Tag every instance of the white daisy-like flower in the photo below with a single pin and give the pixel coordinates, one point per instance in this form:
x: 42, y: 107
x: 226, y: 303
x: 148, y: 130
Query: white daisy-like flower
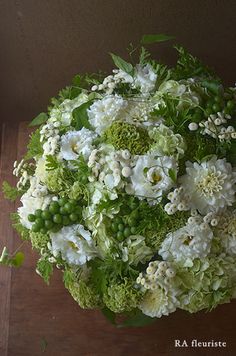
x: 189, y: 242
x: 159, y: 302
x: 75, y: 143
x: 145, y: 78
x: 74, y: 243
x: 210, y: 185
x: 103, y: 112
x: 150, y: 176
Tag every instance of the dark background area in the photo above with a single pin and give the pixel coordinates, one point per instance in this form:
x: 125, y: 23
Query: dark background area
x: 44, y: 43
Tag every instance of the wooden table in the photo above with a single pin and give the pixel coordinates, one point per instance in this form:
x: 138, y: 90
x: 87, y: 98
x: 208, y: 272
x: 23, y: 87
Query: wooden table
x: 36, y: 319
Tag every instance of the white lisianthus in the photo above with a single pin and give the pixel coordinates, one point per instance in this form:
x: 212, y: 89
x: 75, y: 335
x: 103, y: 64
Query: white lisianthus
x: 210, y: 185
x: 150, y: 176
x: 74, y: 243
x: 145, y: 78
x: 103, y: 112
x: 189, y: 242
x: 75, y: 143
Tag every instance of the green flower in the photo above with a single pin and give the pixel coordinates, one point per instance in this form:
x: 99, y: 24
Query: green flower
x: 39, y: 241
x: 165, y: 142
x: 122, y: 296
x: 127, y: 136
x: 55, y: 180
x: 82, y: 290
x: 78, y: 191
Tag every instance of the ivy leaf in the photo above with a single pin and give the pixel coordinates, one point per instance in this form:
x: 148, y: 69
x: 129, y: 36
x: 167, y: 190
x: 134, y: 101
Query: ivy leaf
x: 172, y: 174
x: 137, y: 320
x: 122, y: 64
x: 39, y: 120
x: 148, y: 39
x: 80, y: 116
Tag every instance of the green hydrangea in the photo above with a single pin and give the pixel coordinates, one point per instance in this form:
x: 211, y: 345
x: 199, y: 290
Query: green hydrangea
x: 207, y: 283
x: 78, y: 191
x: 122, y: 296
x: 55, y: 180
x: 82, y: 290
x: 38, y: 240
x: 127, y: 136
x: 165, y: 142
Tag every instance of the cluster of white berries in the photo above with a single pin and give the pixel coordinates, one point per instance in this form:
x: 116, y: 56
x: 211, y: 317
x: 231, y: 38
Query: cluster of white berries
x: 49, y: 130
x: 203, y: 222
x: 179, y: 201
x: 118, y: 164
x: 37, y: 189
x: 158, y: 273
x: 110, y: 82
x: 213, y: 127
x: 21, y: 170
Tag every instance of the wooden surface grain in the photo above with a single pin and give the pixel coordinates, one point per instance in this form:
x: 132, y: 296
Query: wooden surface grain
x: 36, y: 319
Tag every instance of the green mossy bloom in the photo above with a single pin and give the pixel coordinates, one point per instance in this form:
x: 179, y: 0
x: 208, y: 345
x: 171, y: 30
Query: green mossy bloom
x: 122, y: 296
x: 54, y: 180
x: 39, y: 241
x: 127, y: 136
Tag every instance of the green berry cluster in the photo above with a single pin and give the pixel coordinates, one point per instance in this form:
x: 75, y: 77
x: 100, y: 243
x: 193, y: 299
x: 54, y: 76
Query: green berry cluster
x: 59, y: 213
x: 220, y: 103
x: 124, y: 228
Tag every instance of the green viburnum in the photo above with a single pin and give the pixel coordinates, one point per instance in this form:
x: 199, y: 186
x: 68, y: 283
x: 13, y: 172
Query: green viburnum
x: 120, y: 297
x: 78, y: 191
x: 82, y: 290
x: 55, y: 181
x: 127, y: 136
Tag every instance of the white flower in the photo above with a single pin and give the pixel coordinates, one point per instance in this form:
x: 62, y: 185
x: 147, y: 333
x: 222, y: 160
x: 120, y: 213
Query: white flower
x: 35, y: 198
x: 159, y: 302
x: 40, y: 171
x: 74, y: 243
x: 210, y: 185
x: 145, y: 78
x: 189, y: 242
x: 103, y: 112
x: 135, y: 250
x: 150, y: 176
x: 75, y: 143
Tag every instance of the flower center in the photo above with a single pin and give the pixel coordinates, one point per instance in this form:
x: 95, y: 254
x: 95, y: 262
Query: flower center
x: 211, y: 184
x: 154, y: 176
x: 73, y: 246
x: 187, y: 239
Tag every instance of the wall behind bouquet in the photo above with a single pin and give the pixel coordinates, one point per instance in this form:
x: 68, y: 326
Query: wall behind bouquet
x: 44, y: 43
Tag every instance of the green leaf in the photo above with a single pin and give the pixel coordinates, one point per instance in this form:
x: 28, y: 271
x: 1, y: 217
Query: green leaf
x: 39, y: 120
x: 148, y: 39
x: 44, y: 269
x: 172, y: 174
x: 80, y: 116
x: 51, y: 163
x: 122, y: 64
x: 34, y: 147
x: 137, y: 320
x: 110, y: 315
x: 10, y: 193
x: 18, y: 259
x: 211, y: 85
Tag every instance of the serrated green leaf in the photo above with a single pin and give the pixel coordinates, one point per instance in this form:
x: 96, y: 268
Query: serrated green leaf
x: 148, y: 39
x: 80, y: 116
x: 39, y: 120
x: 44, y: 269
x: 10, y: 192
x: 122, y: 64
x: 51, y: 163
x: 18, y: 259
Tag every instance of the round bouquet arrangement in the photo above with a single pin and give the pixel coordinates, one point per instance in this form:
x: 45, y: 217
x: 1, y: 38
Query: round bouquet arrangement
x: 128, y: 186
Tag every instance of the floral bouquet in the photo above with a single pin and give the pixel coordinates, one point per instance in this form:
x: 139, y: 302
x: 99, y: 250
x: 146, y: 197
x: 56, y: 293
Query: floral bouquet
x: 128, y: 186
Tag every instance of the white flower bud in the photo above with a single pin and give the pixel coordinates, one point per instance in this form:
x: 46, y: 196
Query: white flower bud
x: 126, y: 172
x: 193, y: 126
x: 170, y: 273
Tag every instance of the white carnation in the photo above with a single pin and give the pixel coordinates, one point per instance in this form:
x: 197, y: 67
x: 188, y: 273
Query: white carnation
x: 75, y: 143
x: 210, y: 185
x: 74, y: 243
x: 103, y: 112
x: 189, y: 242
